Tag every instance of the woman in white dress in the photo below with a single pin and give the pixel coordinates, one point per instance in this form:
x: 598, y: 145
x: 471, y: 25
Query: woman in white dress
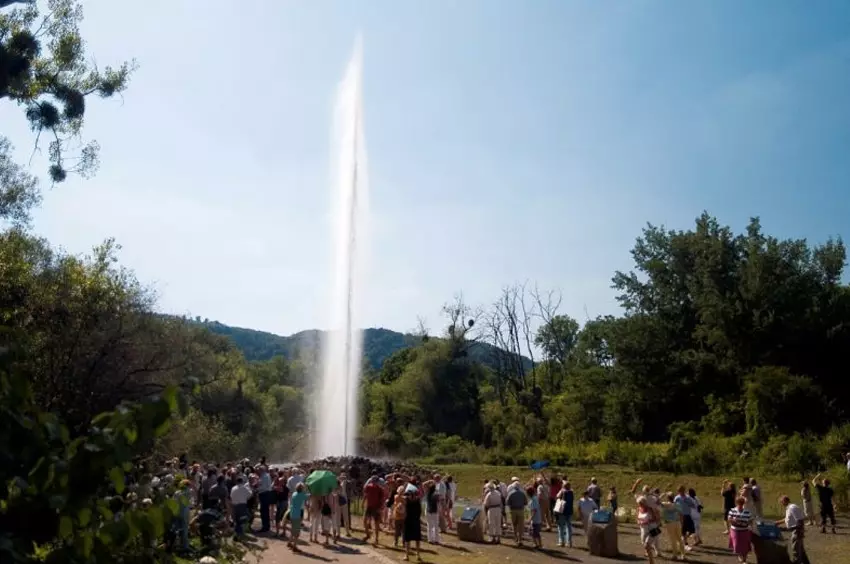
x: 493, y: 510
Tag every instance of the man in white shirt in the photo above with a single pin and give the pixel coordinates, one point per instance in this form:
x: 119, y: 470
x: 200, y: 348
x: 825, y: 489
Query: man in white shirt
x: 239, y: 496
x: 293, y: 481
x: 795, y: 521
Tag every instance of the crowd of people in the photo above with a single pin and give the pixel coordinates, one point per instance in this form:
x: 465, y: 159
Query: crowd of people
x: 228, y: 498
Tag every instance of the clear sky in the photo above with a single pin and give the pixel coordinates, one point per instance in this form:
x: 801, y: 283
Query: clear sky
x: 508, y: 141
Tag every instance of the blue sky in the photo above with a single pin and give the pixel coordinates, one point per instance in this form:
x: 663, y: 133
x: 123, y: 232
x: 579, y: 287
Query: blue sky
x: 508, y: 141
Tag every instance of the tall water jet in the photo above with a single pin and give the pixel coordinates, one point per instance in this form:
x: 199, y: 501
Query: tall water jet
x: 336, y: 410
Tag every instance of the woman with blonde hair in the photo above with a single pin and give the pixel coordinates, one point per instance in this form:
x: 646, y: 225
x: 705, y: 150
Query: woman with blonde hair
x: 650, y: 527
x: 493, y: 511
x: 671, y: 515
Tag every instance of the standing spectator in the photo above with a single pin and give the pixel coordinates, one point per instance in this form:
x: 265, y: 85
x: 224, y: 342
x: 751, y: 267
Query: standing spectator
x: 296, y: 514
x: 542, y: 494
x: 740, y: 534
x: 806, y: 496
x: 671, y: 515
x: 373, y: 495
x: 451, y: 495
x: 650, y: 527
x: 345, y: 503
x: 412, y: 529
x: 563, y: 507
x: 555, y: 485
x: 586, y: 507
x: 239, y: 496
x: 729, y: 494
x: 493, y: 507
x: 535, y: 518
x: 432, y: 511
x: 595, y: 492
x: 266, y: 495
x: 696, y: 516
x: 686, y: 504
x: 758, y: 502
x: 612, y: 499
x: 825, y: 495
x: 516, y: 502
x: 795, y: 522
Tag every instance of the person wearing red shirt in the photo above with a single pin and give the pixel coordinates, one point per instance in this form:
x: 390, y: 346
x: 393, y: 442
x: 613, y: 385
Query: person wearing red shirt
x: 373, y: 494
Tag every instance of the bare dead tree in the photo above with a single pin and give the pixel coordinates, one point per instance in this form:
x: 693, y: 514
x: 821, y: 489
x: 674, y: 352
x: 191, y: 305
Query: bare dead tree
x: 548, y: 305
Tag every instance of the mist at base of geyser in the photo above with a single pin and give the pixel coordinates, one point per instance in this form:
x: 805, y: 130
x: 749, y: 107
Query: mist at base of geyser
x: 336, y: 417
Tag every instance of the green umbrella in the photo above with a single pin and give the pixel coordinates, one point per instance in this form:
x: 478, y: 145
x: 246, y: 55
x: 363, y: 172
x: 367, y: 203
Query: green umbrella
x: 321, y: 482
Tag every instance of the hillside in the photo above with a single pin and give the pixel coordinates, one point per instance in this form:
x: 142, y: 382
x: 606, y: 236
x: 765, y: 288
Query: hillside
x: 378, y: 343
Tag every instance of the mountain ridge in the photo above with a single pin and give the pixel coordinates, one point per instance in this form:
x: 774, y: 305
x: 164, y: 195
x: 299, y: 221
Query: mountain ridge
x: 379, y: 343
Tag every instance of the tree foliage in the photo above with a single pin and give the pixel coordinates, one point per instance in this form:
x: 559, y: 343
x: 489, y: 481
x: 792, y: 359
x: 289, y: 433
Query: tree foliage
x: 45, y: 69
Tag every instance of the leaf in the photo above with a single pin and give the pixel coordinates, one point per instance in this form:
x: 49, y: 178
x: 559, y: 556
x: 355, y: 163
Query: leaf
x: 84, y: 516
x: 66, y: 527
x: 117, y: 477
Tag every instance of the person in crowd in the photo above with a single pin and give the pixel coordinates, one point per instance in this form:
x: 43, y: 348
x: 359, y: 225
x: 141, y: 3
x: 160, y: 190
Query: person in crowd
x: 345, y: 490
x: 281, y: 500
x: 239, y: 496
x: 729, y: 493
x: 758, y: 502
x: 266, y: 496
x: 671, y: 516
x: 595, y: 492
x: 218, y: 496
x: 398, y: 516
x: 740, y: 533
x: 806, y: 497
x: 314, y: 514
x: 373, y: 495
x: 586, y: 507
x: 563, y: 507
x: 296, y: 514
x: 503, y: 489
x: 542, y: 493
x: 696, y: 516
x: 535, y: 518
x: 612, y: 499
x: 555, y: 485
x: 825, y: 495
x: 686, y: 504
x: 432, y: 510
x: 412, y: 534
x: 650, y: 527
x: 516, y: 502
x: 451, y: 496
x: 795, y: 522
x: 493, y: 512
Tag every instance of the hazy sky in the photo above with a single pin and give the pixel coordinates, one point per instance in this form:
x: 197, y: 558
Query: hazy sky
x: 508, y: 141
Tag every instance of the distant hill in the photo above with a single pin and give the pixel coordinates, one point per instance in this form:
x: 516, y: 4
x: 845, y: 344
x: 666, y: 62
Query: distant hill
x: 378, y: 343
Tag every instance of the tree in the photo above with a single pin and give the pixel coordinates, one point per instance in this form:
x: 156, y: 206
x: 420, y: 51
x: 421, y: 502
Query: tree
x: 44, y: 68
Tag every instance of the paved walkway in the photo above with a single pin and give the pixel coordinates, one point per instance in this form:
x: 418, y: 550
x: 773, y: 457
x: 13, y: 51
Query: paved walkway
x: 348, y: 551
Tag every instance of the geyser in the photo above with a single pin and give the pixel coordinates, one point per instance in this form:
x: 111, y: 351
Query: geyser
x: 336, y: 406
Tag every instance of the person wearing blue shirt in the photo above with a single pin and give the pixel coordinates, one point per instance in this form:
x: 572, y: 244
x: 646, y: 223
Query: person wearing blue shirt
x: 296, y: 514
x: 536, y: 518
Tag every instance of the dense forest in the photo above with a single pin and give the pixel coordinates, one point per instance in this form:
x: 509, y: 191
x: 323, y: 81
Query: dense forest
x: 728, y: 353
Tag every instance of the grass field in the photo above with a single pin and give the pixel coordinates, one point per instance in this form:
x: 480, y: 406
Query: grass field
x: 822, y: 548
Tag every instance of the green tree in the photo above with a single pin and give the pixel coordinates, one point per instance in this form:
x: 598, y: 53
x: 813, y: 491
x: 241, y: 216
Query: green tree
x: 44, y: 68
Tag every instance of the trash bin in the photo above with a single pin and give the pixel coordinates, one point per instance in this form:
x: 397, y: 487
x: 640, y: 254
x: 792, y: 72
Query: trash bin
x: 602, y: 534
x: 470, y: 526
x: 769, y: 546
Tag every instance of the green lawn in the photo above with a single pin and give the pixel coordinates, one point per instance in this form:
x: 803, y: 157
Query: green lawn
x: 822, y: 549
x: 470, y: 479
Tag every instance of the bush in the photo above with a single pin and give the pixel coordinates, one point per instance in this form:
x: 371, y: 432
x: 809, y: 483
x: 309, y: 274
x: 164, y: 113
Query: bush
x: 795, y: 456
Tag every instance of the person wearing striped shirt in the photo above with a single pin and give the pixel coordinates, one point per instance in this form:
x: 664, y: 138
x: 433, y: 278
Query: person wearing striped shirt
x: 740, y: 532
